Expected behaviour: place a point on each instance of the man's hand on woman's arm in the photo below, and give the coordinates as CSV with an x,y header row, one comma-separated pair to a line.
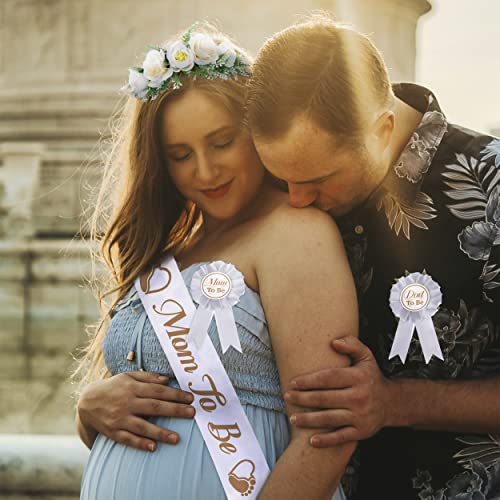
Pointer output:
x,y
116,407
357,401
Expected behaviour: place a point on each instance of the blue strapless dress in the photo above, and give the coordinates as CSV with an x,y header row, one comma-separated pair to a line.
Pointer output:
x,y
185,471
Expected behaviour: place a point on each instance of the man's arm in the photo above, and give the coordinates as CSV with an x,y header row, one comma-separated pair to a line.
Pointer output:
x,y
462,406
87,434
358,401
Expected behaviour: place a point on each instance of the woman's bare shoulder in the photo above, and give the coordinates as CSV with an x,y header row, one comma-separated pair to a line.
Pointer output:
x,y
288,222
291,235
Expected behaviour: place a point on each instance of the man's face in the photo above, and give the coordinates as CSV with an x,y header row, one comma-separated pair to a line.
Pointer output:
x,y
318,170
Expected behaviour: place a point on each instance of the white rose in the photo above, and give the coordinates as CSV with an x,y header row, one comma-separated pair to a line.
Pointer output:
x,y
155,68
204,48
227,49
180,57
138,83
244,59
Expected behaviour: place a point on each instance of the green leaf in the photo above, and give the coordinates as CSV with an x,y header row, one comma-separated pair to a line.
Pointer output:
x,y
187,36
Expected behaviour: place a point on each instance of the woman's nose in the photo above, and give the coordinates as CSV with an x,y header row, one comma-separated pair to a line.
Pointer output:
x,y
207,170
301,195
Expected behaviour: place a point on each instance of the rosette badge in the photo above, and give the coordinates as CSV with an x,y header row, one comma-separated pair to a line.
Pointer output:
x,y
414,300
216,287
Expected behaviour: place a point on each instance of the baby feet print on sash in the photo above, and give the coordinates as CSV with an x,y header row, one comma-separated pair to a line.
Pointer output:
x,y
241,477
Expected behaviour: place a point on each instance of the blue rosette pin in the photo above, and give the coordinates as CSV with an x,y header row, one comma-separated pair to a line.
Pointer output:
x,y
414,299
216,287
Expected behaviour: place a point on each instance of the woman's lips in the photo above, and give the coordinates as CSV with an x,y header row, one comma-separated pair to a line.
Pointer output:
x,y
218,192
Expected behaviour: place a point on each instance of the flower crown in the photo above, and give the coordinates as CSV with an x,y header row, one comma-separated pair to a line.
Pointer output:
x,y
197,54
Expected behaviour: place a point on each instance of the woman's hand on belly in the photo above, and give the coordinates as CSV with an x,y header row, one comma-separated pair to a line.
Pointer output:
x,y
117,407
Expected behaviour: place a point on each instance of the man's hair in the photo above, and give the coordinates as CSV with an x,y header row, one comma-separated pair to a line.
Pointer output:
x,y
322,70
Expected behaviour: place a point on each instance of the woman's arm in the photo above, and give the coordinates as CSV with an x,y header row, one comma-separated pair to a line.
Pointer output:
x,y
309,298
116,407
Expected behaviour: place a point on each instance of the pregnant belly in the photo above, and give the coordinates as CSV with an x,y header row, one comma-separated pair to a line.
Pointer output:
x,y
175,472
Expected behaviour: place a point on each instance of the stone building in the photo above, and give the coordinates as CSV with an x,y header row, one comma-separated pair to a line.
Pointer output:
x,y
61,64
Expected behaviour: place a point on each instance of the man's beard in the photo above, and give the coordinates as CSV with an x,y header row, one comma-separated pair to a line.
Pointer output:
x,y
371,177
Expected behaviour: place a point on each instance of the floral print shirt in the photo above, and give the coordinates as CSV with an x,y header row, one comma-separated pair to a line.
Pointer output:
x,y
436,212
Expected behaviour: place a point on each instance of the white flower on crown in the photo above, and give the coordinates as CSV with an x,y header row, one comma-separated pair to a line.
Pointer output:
x,y
244,59
204,48
228,51
198,53
155,68
138,83
180,57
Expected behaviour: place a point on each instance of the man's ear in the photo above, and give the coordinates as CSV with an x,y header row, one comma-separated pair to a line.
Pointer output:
x,y
383,128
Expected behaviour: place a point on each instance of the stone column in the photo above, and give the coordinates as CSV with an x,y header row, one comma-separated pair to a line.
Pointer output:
x,y
19,175
392,25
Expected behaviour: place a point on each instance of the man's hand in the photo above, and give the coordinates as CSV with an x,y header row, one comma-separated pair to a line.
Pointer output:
x,y
354,401
116,406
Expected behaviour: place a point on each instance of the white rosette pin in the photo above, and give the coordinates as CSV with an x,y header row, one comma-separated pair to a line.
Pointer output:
x,y
216,287
414,299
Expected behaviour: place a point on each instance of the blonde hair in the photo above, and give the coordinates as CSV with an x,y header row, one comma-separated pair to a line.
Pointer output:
x,y
320,69
139,215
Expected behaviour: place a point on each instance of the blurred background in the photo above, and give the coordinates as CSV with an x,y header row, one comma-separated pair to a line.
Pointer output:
x,y
61,65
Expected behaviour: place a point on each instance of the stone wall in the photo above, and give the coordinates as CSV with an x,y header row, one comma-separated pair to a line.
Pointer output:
x,y
44,307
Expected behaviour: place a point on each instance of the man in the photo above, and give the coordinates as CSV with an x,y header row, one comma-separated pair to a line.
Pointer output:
x,y
411,193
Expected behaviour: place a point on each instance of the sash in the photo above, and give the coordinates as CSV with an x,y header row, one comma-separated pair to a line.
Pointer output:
x,y
229,437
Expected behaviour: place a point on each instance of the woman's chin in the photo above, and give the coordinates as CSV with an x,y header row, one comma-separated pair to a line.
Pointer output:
x,y
222,215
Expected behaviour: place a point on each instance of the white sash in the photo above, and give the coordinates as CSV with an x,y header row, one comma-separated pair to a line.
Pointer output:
x,y
229,437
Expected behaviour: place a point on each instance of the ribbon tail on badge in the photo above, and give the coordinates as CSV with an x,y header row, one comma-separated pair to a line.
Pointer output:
x,y
428,339
200,324
402,339
226,326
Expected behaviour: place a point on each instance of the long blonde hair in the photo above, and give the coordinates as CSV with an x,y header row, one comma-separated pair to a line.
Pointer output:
x,y
139,215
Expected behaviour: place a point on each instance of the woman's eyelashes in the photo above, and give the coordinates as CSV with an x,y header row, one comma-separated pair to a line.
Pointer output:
x,y
224,144
181,158
217,145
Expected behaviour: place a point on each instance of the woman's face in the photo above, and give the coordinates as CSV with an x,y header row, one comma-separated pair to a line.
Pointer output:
x,y
210,157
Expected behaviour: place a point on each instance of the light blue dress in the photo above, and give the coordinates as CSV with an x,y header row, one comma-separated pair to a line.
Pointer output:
x,y
185,471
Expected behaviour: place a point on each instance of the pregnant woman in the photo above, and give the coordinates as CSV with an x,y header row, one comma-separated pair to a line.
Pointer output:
x,y
184,181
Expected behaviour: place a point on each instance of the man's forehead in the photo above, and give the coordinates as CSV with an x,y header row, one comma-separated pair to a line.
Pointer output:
x,y
304,152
